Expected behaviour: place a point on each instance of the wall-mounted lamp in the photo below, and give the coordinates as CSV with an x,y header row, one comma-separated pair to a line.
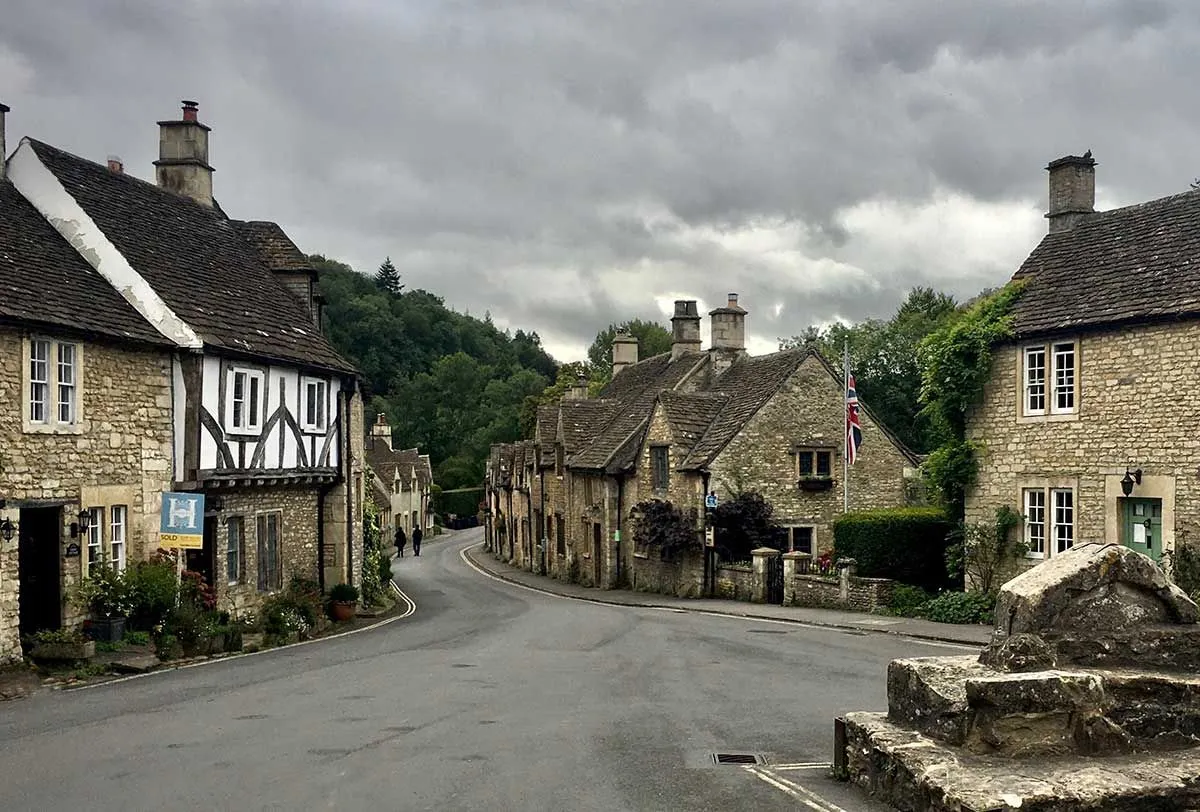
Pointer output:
x,y
7,529
82,523
1130,479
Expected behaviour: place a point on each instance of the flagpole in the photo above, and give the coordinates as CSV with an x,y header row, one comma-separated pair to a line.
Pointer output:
x,y
846,426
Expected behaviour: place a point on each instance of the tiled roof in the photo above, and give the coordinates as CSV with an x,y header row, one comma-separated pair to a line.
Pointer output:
x,y
275,248
381,496
690,413
44,281
196,260
581,419
747,385
1138,263
545,431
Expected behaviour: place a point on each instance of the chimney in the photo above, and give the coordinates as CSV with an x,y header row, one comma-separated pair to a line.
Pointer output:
x,y
579,390
624,352
1072,191
182,165
728,334
382,430
3,153
685,328
115,165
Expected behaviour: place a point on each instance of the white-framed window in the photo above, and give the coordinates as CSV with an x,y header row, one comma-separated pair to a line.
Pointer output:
x,y
1035,522
95,539
53,383
1064,519
235,551
313,402
1049,377
245,407
270,569
117,525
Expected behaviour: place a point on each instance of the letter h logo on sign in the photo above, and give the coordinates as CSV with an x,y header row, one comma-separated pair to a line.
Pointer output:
x,y
182,520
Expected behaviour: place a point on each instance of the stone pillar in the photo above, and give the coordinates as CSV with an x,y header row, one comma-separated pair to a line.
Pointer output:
x,y
847,569
793,563
763,556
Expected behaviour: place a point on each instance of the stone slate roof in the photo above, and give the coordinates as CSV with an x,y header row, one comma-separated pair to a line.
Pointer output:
x,y
380,496
197,261
545,432
36,260
409,462
614,449
689,414
581,420
274,248
1138,263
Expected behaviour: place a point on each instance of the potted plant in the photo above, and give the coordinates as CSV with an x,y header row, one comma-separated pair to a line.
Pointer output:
x,y
62,644
342,601
815,483
106,596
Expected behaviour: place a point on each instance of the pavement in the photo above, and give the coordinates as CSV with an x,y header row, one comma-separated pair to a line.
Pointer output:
x,y
488,695
969,635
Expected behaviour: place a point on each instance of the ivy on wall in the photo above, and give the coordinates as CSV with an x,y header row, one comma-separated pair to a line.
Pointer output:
x,y
663,526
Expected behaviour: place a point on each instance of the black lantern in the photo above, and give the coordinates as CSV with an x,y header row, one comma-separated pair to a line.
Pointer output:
x,y
7,529
1130,479
82,523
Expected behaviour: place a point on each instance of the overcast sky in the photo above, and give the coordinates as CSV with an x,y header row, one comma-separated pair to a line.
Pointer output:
x,y
564,164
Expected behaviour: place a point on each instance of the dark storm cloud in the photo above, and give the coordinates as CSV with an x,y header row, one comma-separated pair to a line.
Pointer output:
x,y
567,165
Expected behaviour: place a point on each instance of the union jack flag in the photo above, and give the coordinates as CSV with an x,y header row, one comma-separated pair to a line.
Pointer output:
x,y
853,426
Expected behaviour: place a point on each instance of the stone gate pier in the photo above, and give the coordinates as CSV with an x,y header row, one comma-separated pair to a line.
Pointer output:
x,y
1086,698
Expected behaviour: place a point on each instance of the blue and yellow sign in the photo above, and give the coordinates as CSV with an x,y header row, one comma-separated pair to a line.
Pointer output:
x,y
182,521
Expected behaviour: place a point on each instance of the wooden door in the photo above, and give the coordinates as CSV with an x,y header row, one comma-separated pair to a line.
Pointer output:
x,y
1142,529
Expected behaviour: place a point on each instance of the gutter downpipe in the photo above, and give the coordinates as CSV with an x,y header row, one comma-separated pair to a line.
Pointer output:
x,y
542,568
346,398
620,514
705,590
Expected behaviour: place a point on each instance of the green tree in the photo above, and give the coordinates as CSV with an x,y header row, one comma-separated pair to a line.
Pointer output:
x,y
653,339
388,278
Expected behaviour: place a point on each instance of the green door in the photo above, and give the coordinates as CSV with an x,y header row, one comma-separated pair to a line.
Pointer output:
x,y
1142,529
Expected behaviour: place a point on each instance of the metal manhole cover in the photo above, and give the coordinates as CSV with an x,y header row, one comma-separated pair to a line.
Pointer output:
x,y
735,758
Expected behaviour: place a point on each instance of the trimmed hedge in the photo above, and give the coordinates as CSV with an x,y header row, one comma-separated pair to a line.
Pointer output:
x,y
905,544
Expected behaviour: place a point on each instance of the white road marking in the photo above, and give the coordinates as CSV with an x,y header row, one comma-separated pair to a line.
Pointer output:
x,y
803,765
804,796
408,612
732,615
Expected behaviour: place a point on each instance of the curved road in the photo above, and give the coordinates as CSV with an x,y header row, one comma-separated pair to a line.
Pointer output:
x,y
489,697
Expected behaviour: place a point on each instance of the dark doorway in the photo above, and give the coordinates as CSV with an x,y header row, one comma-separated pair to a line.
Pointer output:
x,y
775,579
597,550
202,560
40,569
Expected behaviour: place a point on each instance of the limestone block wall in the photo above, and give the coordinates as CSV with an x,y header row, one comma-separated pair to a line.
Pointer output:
x,y
859,594
1133,412
737,583
119,452
683,578
808,411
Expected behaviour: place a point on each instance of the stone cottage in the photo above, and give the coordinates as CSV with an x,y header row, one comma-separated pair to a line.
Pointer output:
x,y
689,422
406,477
265,416
1106,327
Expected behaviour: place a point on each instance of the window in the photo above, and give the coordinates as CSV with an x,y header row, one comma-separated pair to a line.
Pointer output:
x,y
1064,520
560,541
95,539
235,550
660,462
800,540
245,401
1035,523
558,459
270,575
815,462
53,382
1049,388
116,536
312,416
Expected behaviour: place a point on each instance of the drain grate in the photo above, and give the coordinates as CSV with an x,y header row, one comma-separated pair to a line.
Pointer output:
x,y
735,758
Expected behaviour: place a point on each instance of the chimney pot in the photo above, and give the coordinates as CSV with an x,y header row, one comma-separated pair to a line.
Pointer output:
x,y
190,110
115,165
1072,191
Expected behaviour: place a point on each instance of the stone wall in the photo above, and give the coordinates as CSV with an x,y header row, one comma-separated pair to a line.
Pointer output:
x,y
809,411
683,578
1120,375
119,452
863,594
736,583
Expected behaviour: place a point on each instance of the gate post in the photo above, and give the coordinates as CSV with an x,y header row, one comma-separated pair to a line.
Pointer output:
x,y
764,558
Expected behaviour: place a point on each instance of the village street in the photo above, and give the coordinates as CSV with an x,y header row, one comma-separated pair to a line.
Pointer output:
x,y
488,697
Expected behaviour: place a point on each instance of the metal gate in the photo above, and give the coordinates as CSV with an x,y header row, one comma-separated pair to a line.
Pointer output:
x,y
775,579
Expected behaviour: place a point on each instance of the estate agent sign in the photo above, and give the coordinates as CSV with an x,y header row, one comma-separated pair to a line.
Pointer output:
x,y
182,521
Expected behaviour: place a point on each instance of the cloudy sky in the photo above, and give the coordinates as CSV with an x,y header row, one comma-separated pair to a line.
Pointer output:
x,y
563,164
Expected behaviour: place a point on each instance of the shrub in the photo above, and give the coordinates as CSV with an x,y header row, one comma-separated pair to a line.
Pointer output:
x,y
905,544
105,593
137,638
980,552
657,523
153,590
744,523
1185,568
72,637
961,607
343,593
907,601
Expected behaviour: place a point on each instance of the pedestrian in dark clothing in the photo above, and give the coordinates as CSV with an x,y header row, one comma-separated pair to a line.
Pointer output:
x,y
416,541
401,540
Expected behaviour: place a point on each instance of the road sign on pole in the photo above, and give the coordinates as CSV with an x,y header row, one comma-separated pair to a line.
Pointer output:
x,y
710,501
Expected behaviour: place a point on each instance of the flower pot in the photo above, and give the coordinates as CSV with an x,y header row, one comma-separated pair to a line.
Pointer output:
x,y
342,610
106,629
64,651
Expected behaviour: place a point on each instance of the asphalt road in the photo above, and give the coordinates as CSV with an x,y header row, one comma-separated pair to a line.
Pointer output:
x,y
489,697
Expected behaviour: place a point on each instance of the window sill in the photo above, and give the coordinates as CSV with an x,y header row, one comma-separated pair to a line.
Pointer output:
x,y
1048,417
54,428
641,555
313,429
251,432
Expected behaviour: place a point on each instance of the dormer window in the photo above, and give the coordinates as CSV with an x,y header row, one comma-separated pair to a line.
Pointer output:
x,y
244,410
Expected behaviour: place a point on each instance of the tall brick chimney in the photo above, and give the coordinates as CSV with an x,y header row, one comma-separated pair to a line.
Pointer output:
x,y
3,147
381,431
624,352
182,166
1072,191
685,328
578,390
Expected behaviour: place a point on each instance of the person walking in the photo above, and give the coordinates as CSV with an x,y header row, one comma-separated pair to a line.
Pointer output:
x,y
401,540
416,541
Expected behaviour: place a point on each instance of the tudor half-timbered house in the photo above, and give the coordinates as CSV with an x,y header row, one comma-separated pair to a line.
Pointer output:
x,y
266,415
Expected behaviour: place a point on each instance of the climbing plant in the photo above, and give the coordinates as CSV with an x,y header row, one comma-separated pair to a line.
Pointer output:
x,y
956,362
981,551
661,525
